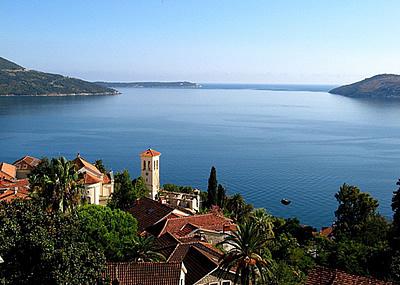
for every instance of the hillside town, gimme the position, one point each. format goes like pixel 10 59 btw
pixel 193 244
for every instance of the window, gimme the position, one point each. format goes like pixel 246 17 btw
pixel 144 165
pixel 157 163
pixel 214 283
pixel 226 282
pixel 149 165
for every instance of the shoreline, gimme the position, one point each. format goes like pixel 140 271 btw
pixel 63 94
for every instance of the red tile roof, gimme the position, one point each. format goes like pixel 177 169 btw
pixel 10 195
pixel 326 232
pixel 144 273
pixel 7 171
pixel 81 162
pixel 211 222
pixel 91 179
pixel 106 179
pixel 29 160
pixel 150 153
pixel 327 276
pixel 149 212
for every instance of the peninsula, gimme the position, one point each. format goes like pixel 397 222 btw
pixel 176 84
pixel 16 80
pixel 378 86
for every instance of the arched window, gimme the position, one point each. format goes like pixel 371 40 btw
pixel 157 163
pixel 144 165
pixel 149 165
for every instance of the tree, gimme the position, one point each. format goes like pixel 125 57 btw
pixel 44 247
pixel 221 196
pixel 355 207
pixel 112 231
pixel 212 187
pixel 126 191
pixel 143 251
pixel 58 183
pixel 237 208
pixel 248 255
pixel 263 221
pixel 396 219
pixel 100 166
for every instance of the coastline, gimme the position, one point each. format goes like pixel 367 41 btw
pixel 63 94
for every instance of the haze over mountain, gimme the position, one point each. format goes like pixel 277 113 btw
pixel 16 80
pixel 378 86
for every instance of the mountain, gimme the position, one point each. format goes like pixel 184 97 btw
pixel 16 80
pixel 178 84
pixel 378 86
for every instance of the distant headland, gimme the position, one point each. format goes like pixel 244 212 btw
pixel 177 84
pixel 15 80
pixel 378 86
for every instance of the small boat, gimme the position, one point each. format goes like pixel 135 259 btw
pixel 285 202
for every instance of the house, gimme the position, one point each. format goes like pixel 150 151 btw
pixel 212 227
pixel 25 165
pixel 146 273
pixel 326 276
pixel 98 186
pixel 10 190
pixel 7 171
pixel 149 212
pixel 150 172
pixel 200 258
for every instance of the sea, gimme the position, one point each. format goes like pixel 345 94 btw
pixel 267 142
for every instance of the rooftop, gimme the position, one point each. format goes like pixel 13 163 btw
pixel 30 160
pixel 8 169
pixel 144 273
pixel 327 276
pixel 150 153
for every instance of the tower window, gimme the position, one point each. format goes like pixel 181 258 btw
pixel 149 165
pixel 157 163
pixel 144 165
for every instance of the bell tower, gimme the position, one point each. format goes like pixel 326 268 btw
pixel 150 163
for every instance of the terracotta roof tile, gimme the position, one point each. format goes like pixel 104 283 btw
pixel 211 222
pixel 144 273
pixel 10 195
pixel 81 162
pixel 150 153
pixel 29 160
pixel 327 276
pixel 7 171
pixel 149 212
pixel 91 179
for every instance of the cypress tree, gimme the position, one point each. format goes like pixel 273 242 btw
pixel 221 194
pixel 212 187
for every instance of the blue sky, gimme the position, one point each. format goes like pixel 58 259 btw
pixel 261 41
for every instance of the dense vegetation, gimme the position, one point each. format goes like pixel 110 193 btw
pixel 55 238
pixel 15 80
pixel 378 86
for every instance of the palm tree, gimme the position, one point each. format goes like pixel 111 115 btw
pixel 248 256
pixel 58 184
pixel 143 251
pixel 263 222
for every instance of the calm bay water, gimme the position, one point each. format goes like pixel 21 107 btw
pixel 267 145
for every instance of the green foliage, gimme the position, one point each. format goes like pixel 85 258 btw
pixel 396 219
pixel 176 188
pixel 212 187
pixel 100 166
pixel 58 183
pixel 42 247
pixel 14 80
pixel 221 196
pixel 126 191
pixel 112 231
pixel 237 208
pixel 248 254
pixel 355 207
pixel 143 251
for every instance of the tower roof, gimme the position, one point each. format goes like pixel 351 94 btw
pixel 150 153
